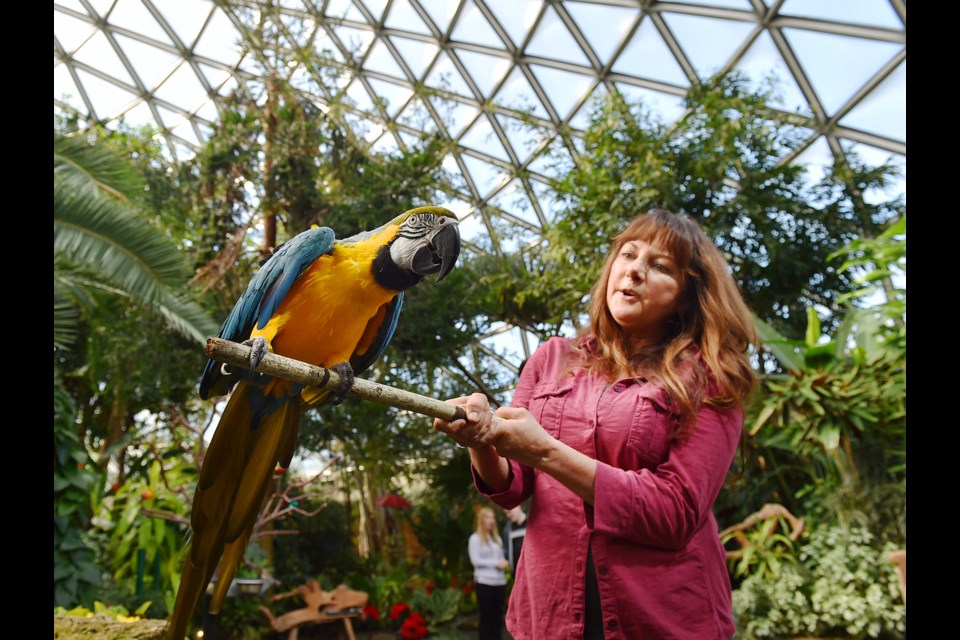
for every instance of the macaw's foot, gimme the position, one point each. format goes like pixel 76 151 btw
pixel 345 371
pixel 258 349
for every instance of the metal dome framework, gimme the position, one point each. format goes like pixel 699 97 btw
pixel 481 71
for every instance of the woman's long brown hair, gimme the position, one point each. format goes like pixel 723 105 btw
pixel 712 317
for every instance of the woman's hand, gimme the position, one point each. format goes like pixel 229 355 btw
pixel 517 435
pixel 474 432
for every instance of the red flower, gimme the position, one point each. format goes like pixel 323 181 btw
pixel 370 611
pixel 398 610
pixel 279 471
pixel 414 627
pixel 429 586
pixel 467 588
pixel 454 582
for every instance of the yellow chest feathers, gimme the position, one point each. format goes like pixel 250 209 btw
pixel 323 316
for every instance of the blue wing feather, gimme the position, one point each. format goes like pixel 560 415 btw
pixel 263 296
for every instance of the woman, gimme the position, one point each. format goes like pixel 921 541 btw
pixel 486 554
pixel 623 438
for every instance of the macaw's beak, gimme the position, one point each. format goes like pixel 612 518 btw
pixel 440 255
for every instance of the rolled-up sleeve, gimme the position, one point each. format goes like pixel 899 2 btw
pixel 666 505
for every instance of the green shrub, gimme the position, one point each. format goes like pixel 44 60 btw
pixel 845 585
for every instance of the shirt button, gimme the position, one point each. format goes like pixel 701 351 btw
pixel 611 624
pixel 618 388
pixel 576 617
pixel 603 571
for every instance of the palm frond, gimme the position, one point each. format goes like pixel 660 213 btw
pixel 187 318
pixel 121 246
pixel 83 167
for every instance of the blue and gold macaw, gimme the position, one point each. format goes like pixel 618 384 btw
pixel 331 303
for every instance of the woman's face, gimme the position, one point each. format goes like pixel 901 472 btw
pixel 644 289
pixel 488 520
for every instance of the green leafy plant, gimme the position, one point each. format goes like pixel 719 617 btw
pixel 844 585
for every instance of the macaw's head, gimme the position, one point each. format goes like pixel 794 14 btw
pixel 427 242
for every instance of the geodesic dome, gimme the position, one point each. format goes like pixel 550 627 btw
pixel 475 70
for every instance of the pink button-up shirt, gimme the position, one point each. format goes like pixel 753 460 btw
pixel 659 562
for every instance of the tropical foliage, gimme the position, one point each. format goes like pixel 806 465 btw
pixel 148 250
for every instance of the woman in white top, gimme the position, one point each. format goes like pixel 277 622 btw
pixel 486 554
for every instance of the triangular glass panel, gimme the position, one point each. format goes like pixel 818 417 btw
pixel 326 48
pixel 403 17
pixel 73 4
pixel 169 118
pixel 662 107
pixel 743 5
pixel 184 151
pixel 472 228
pixel 208 111
pixel 139 116
pixel 472 26
pixel 70 31
pixel 582 118
pixel 878 13
pixel 356 41
pixel 416 116
pixel 417 55
pixel 486 70
pixel 132 15
pixel 708 43
pixel 215 77
pixel 375 7
pixel 358 96
pixel 219 40
pixel 874 157
pixel 298 29
pixel 363 128
pixel 554 162
pixel 301 80
pixel 515 200
pixel 820 54
pixel 817 159
pixel 763 65
pixel 564 88
pixel 187 134
pixel 518 94
pixel 647 56
pixel 395 96
pixel 385 145
pixel 380 59
pixel 482 137
pixel 107 99
pixel 182 88
pixel 523 137
pixel 186 19
pixel 412 141
pixel 150 63
pixel 446 77
pixel 547 197
pixel 64 89
pixel 604 27
pixel 344 9
pixel 884 110
pixel 441 12
pixel 98 54
pixel 456 115
pixel 516 16
pixel 101 7
pixel 485 176
pixel 553 40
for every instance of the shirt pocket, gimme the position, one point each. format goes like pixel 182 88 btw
pixel 546 404
pixel 652 428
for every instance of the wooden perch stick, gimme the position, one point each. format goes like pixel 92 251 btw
pixel 238 355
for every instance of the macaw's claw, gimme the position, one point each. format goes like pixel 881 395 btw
pixel 345 371
pixel 258 350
